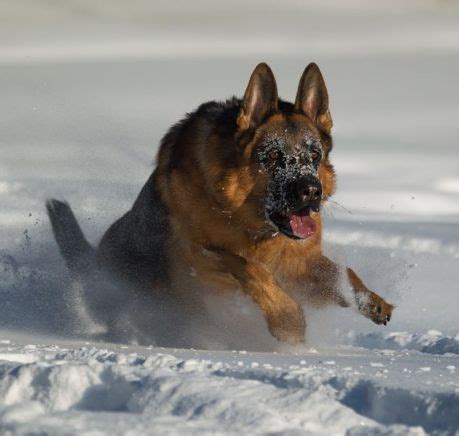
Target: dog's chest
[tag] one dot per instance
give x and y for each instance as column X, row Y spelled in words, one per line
column 289, row 261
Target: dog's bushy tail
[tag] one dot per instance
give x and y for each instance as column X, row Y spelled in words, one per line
column 75, row 249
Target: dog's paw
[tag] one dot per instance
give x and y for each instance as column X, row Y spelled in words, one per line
column 288, row 327
column 289, row 336
column 376, row 308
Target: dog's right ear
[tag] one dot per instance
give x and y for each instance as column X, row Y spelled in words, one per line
column 260, row 98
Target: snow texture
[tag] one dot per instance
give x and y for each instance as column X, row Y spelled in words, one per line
column 45, row 387
column 89, row 88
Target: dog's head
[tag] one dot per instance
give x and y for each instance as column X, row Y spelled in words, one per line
column 288, row 145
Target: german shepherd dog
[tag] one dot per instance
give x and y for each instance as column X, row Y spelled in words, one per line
column 234, row 204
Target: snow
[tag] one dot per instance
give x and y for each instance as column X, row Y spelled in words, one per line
column 168, row 390
column 87, row 92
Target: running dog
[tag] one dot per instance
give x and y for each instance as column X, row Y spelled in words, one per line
column 234, row 203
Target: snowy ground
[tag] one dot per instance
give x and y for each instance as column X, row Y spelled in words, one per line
column 54, row 388
column 86, row 95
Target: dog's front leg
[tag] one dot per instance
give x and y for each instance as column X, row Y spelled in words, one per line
column 283, row 314
column 326, row 280
column 368, row 302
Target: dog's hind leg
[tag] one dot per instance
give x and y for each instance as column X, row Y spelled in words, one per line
column 75, row 249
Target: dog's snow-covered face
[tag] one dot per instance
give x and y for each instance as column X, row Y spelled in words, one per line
column 290, row 157
column 290, row 144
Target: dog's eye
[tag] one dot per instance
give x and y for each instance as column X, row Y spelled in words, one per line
column 273, row 155
column 315, row 156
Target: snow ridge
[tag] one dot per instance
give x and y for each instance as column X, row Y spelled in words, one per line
column 80, row 386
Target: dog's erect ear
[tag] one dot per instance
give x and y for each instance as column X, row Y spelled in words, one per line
column 260, row 98
column 312, row 98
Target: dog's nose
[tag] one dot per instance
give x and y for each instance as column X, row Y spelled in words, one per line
column 310, row 191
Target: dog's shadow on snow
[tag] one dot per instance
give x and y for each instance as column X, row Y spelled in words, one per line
column 32, row 297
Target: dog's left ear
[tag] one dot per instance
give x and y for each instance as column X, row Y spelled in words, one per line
column 312, row 98
column 260, row 98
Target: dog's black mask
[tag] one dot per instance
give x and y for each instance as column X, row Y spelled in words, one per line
column 294, row 190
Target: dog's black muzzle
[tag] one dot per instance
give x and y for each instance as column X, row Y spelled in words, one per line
column 304, row 192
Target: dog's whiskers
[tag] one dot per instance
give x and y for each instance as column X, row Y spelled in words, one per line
column 328, row 211
column 341, row 206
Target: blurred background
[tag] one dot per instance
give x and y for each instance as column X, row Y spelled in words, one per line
column 88, row 88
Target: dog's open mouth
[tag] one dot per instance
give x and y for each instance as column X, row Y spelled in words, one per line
column 302, row 224
column 297, row 224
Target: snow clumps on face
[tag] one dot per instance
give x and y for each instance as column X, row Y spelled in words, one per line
column 288, row 165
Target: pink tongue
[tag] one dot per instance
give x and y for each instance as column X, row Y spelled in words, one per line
column 302, row 226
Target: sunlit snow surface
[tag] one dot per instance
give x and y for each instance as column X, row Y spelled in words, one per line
column 54, row 387
column 88, row 90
